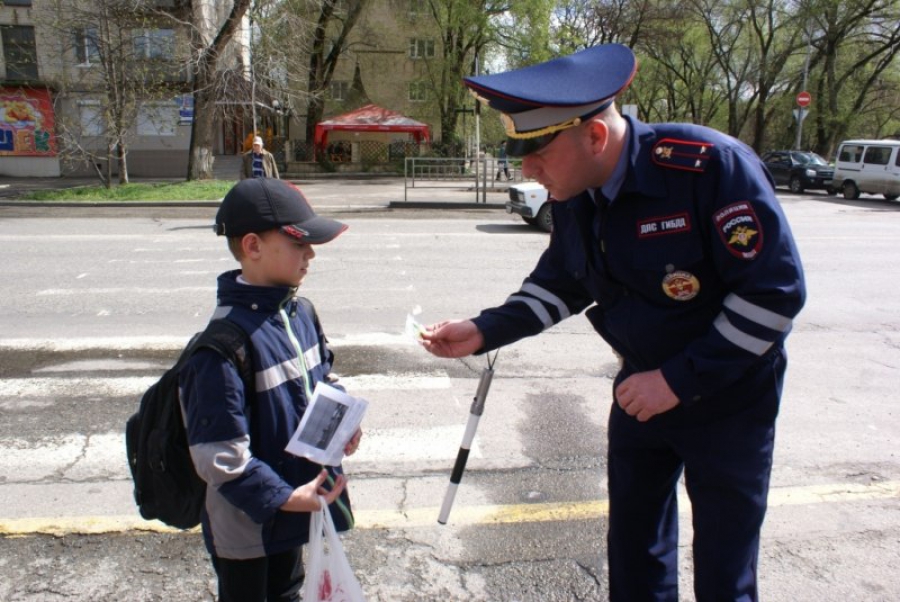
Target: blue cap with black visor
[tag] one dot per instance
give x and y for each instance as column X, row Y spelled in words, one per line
column 538, row 102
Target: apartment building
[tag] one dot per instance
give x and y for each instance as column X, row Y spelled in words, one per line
column 54, row 90
column 28, row 144
column 72, row 69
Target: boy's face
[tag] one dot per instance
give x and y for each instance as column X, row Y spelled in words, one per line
column 281, row 260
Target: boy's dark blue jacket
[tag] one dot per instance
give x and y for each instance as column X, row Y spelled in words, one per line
column 238, row 444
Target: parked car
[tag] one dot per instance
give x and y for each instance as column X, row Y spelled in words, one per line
column 799, row 170
column 532, row 202
column 870, row 166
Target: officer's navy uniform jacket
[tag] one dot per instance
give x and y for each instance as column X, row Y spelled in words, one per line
column 690, row 269
column 238, row 444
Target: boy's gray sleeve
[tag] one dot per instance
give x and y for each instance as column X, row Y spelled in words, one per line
column 215, row 412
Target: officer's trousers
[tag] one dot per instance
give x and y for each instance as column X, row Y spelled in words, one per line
column 726, row 463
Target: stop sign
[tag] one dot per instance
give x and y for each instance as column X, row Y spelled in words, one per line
column 803, row 99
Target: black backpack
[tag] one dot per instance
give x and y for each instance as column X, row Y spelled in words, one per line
column 166, row 486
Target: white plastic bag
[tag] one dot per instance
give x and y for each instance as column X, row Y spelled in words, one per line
column 329, row 577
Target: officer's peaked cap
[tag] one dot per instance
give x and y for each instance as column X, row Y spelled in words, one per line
column 543, row 99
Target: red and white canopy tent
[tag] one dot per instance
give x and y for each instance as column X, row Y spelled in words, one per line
column 371, row 118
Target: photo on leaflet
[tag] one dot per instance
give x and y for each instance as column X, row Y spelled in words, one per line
column 323, row 424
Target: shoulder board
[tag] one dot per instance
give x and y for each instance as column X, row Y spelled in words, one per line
column 689, row 155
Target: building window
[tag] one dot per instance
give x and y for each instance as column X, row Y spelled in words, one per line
column 338, row 90
column 90, row 116
column 86, row 48
column 19, row 52
column 156, row 44
column 418, row 91
column 17, row 2
column 157, row 119
column 421, row 49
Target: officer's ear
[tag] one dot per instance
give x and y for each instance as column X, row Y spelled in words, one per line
column 598, row 133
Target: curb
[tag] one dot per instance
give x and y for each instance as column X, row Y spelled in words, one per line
column 443, row 205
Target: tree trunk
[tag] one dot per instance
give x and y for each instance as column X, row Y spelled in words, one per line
column 200, row 160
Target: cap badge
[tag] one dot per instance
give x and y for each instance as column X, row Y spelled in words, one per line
column 681, row 285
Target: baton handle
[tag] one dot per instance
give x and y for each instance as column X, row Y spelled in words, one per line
column 484, row 385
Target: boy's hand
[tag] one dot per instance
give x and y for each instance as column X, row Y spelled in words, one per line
column 306, row 497
column 353, row 444
column 458, row 338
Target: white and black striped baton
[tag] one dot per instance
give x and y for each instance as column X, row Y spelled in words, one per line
column 474, row 416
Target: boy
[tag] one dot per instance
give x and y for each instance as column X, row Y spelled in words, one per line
column 256, row 515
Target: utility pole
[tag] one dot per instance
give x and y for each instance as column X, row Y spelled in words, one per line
column 477, row 136
column 801, row 111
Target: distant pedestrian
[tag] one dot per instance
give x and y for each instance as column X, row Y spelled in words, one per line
column 502, row 162
column 258, row 162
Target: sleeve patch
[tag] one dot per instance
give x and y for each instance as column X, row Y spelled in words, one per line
column 689, row 155
column 740, row 229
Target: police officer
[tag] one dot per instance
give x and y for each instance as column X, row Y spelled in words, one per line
column 672, row 239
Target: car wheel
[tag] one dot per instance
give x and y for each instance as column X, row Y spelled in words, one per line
column 851, row 191
column 544, row 219
column 528, row 220
column 831, row 190
column 892, row 197
column 796, row 185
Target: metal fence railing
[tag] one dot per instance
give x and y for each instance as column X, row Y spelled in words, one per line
column 452, row 172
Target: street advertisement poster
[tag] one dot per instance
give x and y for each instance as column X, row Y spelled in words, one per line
column 26, row 123
column 328, row 424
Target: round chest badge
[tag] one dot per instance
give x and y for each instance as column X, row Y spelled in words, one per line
column 681, row 286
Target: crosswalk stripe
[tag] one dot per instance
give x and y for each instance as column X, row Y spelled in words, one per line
column 175, row 343
column 77, row 456
column 462, row 516
column 134, row 386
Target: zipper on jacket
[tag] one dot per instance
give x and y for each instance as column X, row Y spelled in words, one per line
column 304, row 373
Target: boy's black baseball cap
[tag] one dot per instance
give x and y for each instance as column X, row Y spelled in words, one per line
column 256, row 205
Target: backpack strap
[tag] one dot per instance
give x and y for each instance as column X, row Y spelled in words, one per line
column 233, row 343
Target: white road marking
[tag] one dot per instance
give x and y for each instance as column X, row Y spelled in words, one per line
column 78, row 457
column 176, row 343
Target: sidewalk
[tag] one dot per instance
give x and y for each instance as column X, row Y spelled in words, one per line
column 350, row 193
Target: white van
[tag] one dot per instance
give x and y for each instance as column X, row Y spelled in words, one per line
column 871, row 166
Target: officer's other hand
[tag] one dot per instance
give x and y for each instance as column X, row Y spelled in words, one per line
column 645, row 394
column 457, row 338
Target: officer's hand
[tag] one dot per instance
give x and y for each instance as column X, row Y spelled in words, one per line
column 458, row 338
column 645, row 394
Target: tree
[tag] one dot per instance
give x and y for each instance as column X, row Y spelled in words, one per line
column 124, row 63
column 334, row 23
column 470, row 30
column 208, row 43
column 853, row 67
